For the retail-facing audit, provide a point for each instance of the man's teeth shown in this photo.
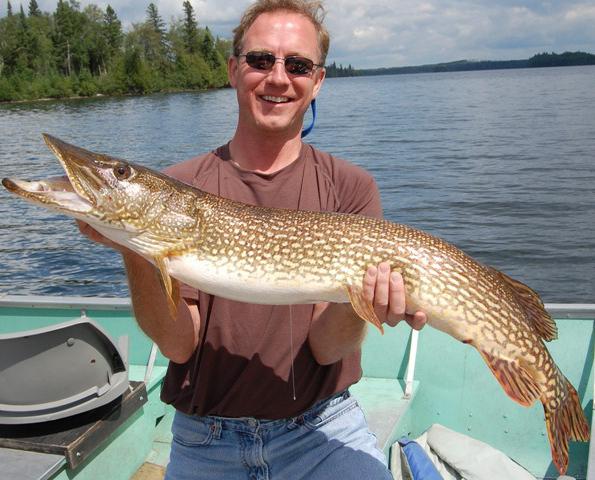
(270, 98)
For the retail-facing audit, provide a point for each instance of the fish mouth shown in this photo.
(76, 192)
(56, 192)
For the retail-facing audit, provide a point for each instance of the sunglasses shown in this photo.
(265, 61)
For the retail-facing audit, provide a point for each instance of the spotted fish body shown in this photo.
(277, 256)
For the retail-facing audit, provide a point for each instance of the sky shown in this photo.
(391, 33)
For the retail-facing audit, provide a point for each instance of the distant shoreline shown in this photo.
(541, 60)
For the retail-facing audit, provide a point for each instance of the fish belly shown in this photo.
(273, 288)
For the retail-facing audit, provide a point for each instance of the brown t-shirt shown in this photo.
(244, 369)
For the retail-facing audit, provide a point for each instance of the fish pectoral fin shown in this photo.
(540, 320)
(516, 380)
(170, 286)
(363, 307)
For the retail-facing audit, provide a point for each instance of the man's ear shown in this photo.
(233, 65)
(320, 76)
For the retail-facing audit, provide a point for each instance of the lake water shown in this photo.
(500, 163)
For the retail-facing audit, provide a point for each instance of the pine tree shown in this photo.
(23, 37)
(207, 45)
(155, 41)
(113, 30)
(34, 10)
(190, 28)
(8, 9)
(155, 20)
(63, 36)
(208, 51)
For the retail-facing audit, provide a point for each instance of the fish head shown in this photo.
(110, 194)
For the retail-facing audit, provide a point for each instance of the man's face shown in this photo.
(275, 101)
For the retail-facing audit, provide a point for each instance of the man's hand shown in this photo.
(386, 291)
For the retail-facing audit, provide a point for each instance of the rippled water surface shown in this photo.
(500, 163)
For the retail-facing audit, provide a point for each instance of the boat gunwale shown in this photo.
(578, 311)
(65, 302)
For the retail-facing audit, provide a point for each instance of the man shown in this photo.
(260, 390)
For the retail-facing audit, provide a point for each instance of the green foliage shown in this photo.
(540, 60)
(155, 20)
(34, 10)
(562, 60)
(70, 52)
(333, 71)
(112, 30)
(190, 32)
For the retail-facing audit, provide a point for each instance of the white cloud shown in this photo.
(378, 33)
(581, 13)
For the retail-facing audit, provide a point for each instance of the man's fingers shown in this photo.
(386, 291)
(397, 306)
(416, 321)
(369, 284)
(382, 290)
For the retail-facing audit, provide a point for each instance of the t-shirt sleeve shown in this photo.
(357, 191)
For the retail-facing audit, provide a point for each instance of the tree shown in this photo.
(190, 28)
(224, 47)
(155, 20)
(74, 51)
(34, 10)
(68, 37)
(63, 34)
(154, 40)
(112, 28)
(41, 47)
(24, 41)
(208, 50)
(94, 42)
(9, 43)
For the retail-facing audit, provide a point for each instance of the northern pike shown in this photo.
(280, 256)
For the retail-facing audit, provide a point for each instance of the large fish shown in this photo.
(275, 256)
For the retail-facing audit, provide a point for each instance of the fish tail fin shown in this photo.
(564, 419)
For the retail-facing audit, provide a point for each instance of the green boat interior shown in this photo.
(411, 381)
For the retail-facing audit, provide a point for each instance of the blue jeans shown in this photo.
(329, 441)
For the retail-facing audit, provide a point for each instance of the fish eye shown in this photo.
(122, 172)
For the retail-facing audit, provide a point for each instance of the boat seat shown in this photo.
(59, 371)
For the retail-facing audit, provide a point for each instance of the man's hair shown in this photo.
(311, 9)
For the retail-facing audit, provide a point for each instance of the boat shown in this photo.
(411, 381)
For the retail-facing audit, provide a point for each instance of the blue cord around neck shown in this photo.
(310, 127)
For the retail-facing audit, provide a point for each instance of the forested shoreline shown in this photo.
(85, 52)
(540, 60)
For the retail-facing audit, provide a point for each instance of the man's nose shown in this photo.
(278, 73)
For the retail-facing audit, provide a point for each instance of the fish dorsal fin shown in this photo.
(517, 381)
(363, 307)
(540, 320)
(170, 286)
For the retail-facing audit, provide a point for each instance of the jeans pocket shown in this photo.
(329, 413)
(192, 431)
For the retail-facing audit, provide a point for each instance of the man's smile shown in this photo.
(274, 99)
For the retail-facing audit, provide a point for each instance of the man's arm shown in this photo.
(337, 331)
(177, 338)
